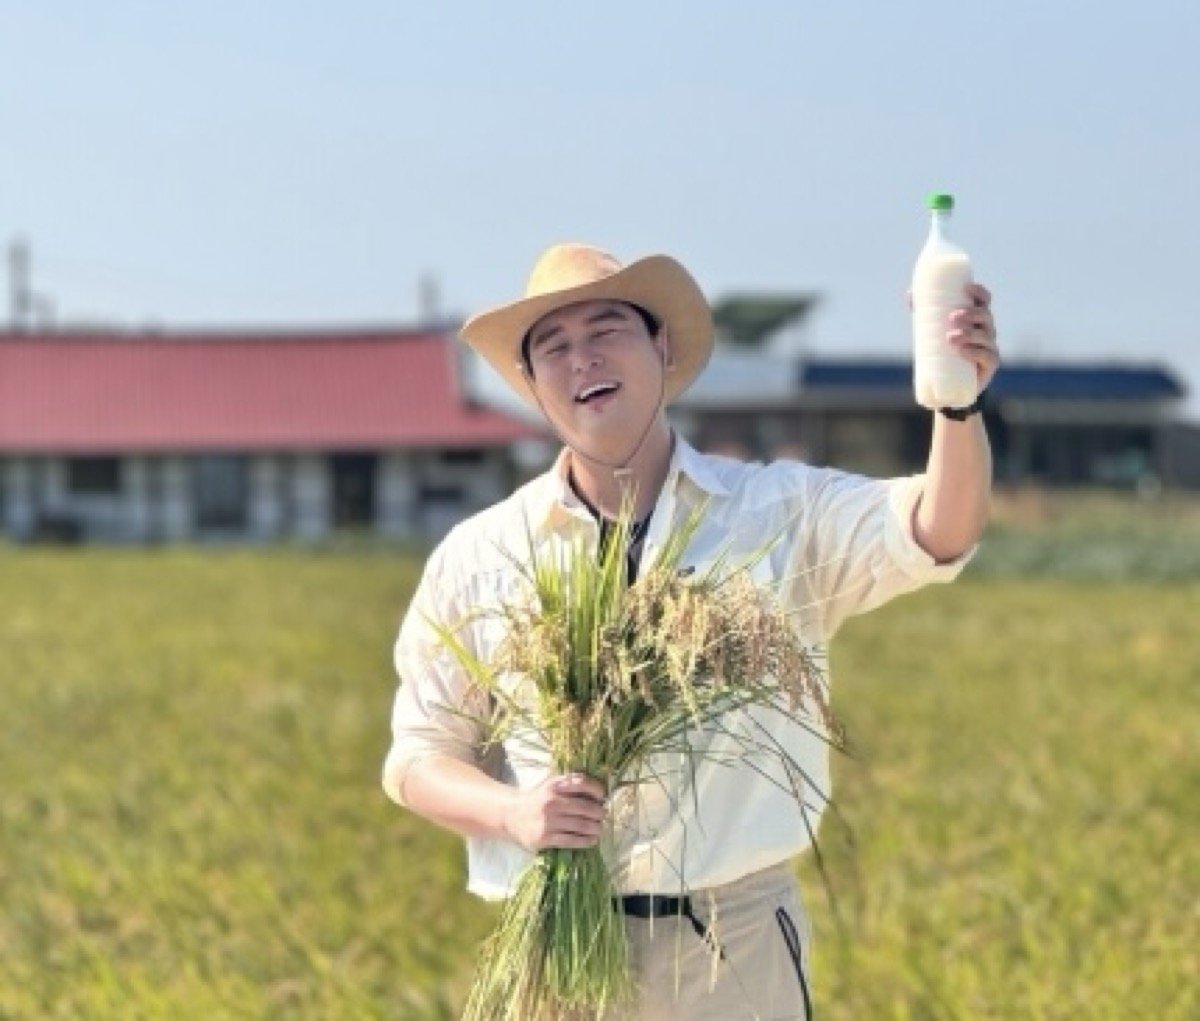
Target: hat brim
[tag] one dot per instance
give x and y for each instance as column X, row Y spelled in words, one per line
column 658, row 283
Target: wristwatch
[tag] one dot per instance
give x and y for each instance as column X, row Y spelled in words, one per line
column 962, row 414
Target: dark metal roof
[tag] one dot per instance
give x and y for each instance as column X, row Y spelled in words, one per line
column 1036, row 380
column 749, row 319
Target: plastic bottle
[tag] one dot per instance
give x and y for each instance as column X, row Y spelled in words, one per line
column 942, row 378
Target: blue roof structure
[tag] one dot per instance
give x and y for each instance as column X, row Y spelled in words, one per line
column 1028, row 380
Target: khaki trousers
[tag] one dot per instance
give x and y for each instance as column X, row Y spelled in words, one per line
column 764, row 934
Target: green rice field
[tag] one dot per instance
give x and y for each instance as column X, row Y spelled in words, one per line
column 191, row 824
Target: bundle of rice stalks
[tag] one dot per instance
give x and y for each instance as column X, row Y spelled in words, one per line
column 612, row 674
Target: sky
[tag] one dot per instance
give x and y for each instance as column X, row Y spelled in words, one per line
column 295, row 163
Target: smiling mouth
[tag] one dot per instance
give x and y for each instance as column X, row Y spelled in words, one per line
column 590, row 393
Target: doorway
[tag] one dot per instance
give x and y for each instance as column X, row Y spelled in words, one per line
column 354, row 490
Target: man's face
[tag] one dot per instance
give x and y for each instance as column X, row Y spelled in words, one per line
column 598, row 373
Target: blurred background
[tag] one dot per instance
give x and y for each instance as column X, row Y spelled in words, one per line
column 342, row 183
column 238, row 243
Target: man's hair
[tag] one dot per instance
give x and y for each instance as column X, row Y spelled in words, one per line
column 648, row 317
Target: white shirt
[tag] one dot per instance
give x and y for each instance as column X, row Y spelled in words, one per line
column 845, row 545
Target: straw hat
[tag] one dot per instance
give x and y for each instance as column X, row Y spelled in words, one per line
column 571, row 273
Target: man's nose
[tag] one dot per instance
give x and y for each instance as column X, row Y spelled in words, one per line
column 586, row 357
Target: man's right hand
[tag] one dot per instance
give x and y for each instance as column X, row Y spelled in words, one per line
column 562, row 811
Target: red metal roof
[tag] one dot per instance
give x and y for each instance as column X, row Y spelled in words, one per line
column 111, row 393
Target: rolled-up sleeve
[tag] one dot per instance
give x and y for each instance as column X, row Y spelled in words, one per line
column 436, row 710
column 862, row 546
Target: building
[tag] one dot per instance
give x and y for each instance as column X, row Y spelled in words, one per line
column 233, row 436
column 239, row 436
column 1053, row 424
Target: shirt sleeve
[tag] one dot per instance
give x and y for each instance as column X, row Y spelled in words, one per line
column 437, row 711
column 858, row 548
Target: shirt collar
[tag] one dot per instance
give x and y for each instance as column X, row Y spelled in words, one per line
column 552, row 502
column 687, row 462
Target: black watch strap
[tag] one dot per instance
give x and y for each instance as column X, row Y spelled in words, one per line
column 962, row 414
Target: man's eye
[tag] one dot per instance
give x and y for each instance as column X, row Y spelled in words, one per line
column 556, row 349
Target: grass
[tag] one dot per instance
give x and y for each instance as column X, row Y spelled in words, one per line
column 192, row 825
column 1095, row 536
column 1023, row 805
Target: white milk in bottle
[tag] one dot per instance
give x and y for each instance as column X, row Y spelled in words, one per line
column 942, row 378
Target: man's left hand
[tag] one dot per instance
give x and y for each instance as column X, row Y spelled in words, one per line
column 972, row 332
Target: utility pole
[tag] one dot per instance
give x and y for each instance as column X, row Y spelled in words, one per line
column 20, row 304
column 429, row 301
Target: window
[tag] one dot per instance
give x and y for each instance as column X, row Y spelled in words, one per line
column 94, row 476
column 465, row 457
column 444, row 495
column 353, row 489
column 222, row 486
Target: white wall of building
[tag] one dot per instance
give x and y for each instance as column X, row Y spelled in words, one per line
column 50, row 489
column 139, row 510
column 396, row 495
column 312, row 496
column 268, row 476
column 418, row 495
column 176, row 523
column 19, row 508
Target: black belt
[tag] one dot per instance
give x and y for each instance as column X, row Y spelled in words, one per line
column 653, row 905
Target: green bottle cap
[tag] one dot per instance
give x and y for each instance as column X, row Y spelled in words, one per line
column 939, row 200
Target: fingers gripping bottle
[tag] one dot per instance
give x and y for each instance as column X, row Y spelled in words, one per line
column 942, row 378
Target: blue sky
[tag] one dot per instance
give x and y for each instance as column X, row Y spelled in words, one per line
column 270, row 162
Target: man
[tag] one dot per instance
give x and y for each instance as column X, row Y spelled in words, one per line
column 601, row 349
